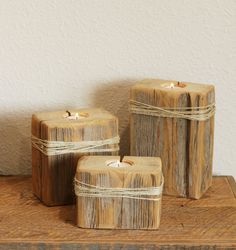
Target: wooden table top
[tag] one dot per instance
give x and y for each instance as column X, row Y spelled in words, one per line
column 208, row 223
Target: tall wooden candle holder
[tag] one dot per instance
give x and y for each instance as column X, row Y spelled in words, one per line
column 175, row 121
column 59, row 139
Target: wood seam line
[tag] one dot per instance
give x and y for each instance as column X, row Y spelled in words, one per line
column 232, row 184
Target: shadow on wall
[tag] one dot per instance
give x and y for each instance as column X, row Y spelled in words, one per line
column 114, row 97
column 15, row 128
column 15, row 141
column 15, row 144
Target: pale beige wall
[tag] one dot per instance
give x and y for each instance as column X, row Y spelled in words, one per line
column 59, row 54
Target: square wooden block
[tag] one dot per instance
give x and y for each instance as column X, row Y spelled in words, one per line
column 53, row 174
column 109, row 192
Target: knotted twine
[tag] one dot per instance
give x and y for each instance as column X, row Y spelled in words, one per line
column 62, row 147
column 201, row 113
column 149, row 193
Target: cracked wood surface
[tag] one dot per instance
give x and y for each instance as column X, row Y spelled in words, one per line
column 185, row 147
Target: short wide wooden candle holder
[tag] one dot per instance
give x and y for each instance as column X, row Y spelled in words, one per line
column 118, row 195
column 59, row 139
column 175, row 121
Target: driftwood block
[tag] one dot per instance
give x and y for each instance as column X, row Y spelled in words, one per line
column 53, row 174
column 126, row 210
column 185, row 146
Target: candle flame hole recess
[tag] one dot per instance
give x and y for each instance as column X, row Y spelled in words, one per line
column 118, row 164
column 173, row 85
column 76, row 115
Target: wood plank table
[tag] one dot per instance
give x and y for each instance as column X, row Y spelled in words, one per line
column 209, row 223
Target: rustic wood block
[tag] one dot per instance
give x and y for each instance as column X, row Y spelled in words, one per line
column 53, row 174
column 185, row 146
column 206, row 224
column 111, row 210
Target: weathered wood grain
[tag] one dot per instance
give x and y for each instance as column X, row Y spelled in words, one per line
column 119, row 212
column 53, row 175
column 208, row 223
column 185, row 147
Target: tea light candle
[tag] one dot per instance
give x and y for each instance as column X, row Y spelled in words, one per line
column 173, row 85
column 75, row 116
column 117, row 164
column 169, row 86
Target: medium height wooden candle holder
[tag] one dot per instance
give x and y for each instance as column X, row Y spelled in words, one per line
column 175, row 121
column 59, row 139
column 118, row 195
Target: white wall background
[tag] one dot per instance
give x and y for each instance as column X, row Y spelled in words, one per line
column 59, row 54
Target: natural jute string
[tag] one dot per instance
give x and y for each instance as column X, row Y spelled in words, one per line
column 202, row 113
column 150, row 193
column 62, row 147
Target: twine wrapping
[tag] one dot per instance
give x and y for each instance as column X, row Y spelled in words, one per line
column 62, row 147
column 202, row 113
column 149, row 193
